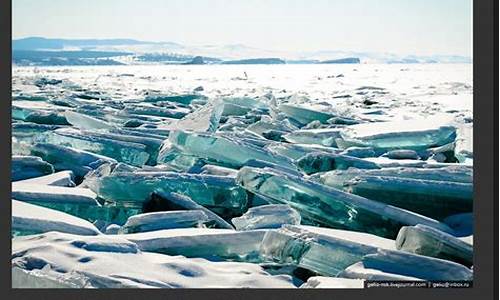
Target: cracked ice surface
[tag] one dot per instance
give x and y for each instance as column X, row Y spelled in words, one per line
column 311, row 176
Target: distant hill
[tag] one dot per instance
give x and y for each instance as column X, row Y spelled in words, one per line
column 39, row 43
column 255, row 61
column 147, row 52
column 50, row 58
column 348, row 60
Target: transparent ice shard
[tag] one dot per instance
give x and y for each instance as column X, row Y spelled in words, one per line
column 151, row 110
column 218, row 170
column 325, row 255
column 452, row 173
column 360, row 152
column 46, row 117
column 181, row 98
column 128, row 152
column 409, row 134
column 262, row 126
column 31, row 132
column 402, row 154
column 24, row 167
column 304, row 115
column 464, row 144
column 416, row 266
column 328, row 206
column 160, row 200
column 63, row 178
column 247, row 102
column 267, row 216
column 325, row 137
column 31, row 219
column 223, row 149
column 296, row 151
column 209, row 243
column 435, row 199
column 164, row 220
column 86, row 122
column 428, row 241
column 215, row 192
column 205, row 119
column 321, row 162
column 66, row 158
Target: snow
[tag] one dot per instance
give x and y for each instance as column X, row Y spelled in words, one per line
column 63, row 178
column 32, row 218
column 319, row 282
column 112, row 262
column 31, row 192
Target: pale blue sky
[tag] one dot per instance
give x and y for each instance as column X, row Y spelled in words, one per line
column 422, row 27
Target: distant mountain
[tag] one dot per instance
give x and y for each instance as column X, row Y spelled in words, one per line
column 169, row 52
column 39, row 43
column 51, row 58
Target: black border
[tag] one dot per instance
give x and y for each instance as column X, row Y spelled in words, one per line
column 485, row 286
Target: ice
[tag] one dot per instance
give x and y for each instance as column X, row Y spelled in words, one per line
column 326, row 255
column 432, row 198
column 428, row 241
column 128, row 152
column 462, row 224
column 263, row 126
column 156, row 111
column 217, row 192
column 63, row 178
column 359, row 271
column 164, row 220
column 64, row 260
column 321, row 162
column 449, row 173
column 40, row 193
column 267, row 216
column 331, row 162
column 205, row 119
column 402, row 154
column 296, row 151
column 328, row 206
column 417, row 266
column 218, row 170
column 324, row 137
column 85, row 122
column 304, row 115
column 66, row 158
column 464, row 144
column 182, row 98
column 222, row 149
column 209, row 243
column 31, row 219
column 360, row 152
column 24, row 167
column 320, row 282
column 417, row 134
column 160, row 200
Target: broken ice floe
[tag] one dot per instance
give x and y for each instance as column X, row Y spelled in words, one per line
column 267, row 182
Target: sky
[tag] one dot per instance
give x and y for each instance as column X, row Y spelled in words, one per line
column 421, row 27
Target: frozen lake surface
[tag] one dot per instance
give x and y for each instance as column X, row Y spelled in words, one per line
column 260, row 176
